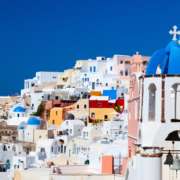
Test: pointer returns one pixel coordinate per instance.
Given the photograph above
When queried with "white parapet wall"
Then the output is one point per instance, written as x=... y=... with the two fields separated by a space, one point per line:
x=145 y=168
x=87 y=177
x=46 y=174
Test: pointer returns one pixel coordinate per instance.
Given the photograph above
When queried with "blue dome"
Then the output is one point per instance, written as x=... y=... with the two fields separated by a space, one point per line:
x=22 y=125
x=168 y=59
x=19 y=109
x=34 y=121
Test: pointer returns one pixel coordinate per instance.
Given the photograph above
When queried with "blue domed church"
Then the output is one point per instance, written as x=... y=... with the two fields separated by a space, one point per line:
x=17 y=114
x=27 y=129
x=159 y=116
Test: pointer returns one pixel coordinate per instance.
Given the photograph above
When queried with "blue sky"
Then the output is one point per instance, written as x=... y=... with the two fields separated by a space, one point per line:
x=50 y=35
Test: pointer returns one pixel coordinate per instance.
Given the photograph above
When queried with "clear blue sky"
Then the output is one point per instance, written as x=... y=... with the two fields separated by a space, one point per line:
x=50 y=35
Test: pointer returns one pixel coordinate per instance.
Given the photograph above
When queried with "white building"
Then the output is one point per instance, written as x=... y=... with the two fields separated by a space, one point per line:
x=103 y=73
x=72 y=128
x=114 y=128
x=92 y=132
x=118 y=149
x=33 y=88
x=7 y=153
x=40 y=79
x=48 y=149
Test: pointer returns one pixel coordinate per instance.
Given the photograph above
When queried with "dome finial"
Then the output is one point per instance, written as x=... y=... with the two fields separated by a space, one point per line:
x=174 y=32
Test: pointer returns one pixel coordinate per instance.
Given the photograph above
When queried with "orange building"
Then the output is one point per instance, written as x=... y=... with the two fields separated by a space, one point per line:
x=56 y=116
x=95 y=93
x=79 y=109
x=107 y=165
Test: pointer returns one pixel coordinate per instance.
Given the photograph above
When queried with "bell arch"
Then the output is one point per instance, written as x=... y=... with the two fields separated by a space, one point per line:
x=163 y=134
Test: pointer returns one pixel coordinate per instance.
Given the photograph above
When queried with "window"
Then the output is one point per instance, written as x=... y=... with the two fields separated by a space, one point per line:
x=121 y=73
x=85 y=106
x=53 y=121
x=92 y=115
x=94 y=69
x=85 y=79
x=32 y=106
x=90 y=69
x=126 y=73
x=56 y=98
x=42 y=150
x=127 y=62
x=4 y=148
x=144 y=63
x=97 y=81
x=58 y=148
x=152 y=102
x=77 y=106
x=105 y=117
x=111 y=68
x=56 y=113
x=84 y=134
x=106 y=84
x=64 y=149
x=93 y=85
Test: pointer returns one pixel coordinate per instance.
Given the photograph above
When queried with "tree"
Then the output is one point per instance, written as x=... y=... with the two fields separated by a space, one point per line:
x=39 y=111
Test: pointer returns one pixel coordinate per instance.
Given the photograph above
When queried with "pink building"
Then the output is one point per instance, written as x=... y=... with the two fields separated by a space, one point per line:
x=138 y=65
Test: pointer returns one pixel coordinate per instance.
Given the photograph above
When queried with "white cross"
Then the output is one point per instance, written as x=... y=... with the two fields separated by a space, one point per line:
x=174 y=33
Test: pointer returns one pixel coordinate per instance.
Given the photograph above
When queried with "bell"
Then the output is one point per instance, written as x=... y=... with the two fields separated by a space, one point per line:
x=169 y=159
x=176 y=164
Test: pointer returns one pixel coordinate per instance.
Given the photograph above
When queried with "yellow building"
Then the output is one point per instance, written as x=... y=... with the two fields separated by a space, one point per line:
x=80 y=109
x=101 y=109
x=56 y=116
x=102 y=114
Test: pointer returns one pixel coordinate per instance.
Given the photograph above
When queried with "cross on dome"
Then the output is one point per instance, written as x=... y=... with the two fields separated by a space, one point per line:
x=174 y=32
